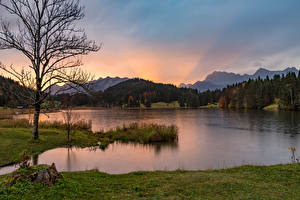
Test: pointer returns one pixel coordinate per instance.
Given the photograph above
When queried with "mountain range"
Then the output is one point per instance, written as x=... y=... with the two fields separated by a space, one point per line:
x=220 y=79
x=215 y=80
x=100 y=84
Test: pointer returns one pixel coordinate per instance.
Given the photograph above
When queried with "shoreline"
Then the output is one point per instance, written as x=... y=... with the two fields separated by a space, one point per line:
x=164 y=170
x=244 y=182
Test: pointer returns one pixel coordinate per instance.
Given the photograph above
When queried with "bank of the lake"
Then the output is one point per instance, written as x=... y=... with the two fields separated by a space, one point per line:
x=14 y=141
x=246 y=182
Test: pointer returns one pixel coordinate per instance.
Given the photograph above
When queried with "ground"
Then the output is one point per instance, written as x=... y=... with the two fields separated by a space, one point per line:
x=246 y=182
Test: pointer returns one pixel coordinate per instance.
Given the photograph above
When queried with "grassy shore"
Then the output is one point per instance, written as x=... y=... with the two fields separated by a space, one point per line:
x=273 y=107
x=15 y=137
x=173 y=104
x=210 y=106
x=246 y=182
x=14 y=141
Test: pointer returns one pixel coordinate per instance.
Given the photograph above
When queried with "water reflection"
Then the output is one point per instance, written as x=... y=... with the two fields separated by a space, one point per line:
x=76 y=159
x=117 y=158
x=207 y=139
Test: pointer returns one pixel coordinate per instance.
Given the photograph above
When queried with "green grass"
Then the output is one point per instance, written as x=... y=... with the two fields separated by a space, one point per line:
x=142 y=106
x=209 y=106
x=273 y=107
x=140 y=133
x=246 y=182
x=14 y=141
x=173 y=104
x=25 y=123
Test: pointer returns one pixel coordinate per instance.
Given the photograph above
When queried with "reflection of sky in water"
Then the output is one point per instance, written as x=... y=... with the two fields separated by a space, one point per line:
x=207 y=139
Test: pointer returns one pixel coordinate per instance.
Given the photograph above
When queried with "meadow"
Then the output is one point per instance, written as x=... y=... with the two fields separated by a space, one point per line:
x=246 y=182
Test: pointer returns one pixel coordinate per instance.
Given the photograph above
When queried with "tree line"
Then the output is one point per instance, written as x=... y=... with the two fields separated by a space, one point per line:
x=255 y=94
x=134 y=93
x=252 y=94
x=11 y=93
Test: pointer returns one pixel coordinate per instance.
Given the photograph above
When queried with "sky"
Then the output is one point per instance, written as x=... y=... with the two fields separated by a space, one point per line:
x=175 y=41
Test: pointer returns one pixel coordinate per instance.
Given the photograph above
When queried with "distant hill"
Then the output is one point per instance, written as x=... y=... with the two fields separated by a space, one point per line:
x=98 y=85
x=219 y=80
x=10 y=93
x=134 y=92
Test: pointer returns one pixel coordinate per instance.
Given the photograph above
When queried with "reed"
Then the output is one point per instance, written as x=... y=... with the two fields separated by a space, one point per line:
x=25 y=123
x=141 y=133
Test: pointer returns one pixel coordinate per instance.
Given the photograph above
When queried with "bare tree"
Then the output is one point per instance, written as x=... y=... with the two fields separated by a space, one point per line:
x=46 y=34
x=70 y=120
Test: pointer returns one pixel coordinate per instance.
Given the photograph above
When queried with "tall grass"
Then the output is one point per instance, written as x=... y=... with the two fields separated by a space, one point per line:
x=15 y=123
x=142 y=133
x=25 y=123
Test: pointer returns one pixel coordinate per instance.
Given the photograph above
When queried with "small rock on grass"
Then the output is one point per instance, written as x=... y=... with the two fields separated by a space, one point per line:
x=46 y=177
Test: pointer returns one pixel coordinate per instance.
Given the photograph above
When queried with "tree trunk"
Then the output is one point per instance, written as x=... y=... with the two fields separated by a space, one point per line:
x=37 y=110
x=68 y=134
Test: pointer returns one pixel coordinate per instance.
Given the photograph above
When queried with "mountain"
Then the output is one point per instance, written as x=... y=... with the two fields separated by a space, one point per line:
x=219 y=80
x=97 y=85
x=103 y=83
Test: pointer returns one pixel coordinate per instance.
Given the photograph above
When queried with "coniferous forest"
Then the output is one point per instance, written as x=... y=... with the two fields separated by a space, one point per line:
x=257 y=94
x=252 y=94
x=11 y=93
x=284 y=91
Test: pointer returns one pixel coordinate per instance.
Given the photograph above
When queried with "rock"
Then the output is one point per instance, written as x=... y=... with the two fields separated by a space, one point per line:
x=46 y=176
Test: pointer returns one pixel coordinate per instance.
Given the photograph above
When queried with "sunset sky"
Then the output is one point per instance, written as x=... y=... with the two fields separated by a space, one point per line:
x=174 y=41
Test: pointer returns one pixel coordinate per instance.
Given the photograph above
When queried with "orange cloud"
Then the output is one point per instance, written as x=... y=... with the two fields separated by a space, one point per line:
x=160 y=65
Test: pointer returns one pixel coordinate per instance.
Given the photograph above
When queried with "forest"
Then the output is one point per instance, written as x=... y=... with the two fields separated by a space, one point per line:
x=283 y=91
x=11 y=93
x=134 y=93
x=257 y=94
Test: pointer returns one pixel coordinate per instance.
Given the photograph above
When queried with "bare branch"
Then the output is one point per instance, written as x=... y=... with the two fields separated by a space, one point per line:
x=45 y=32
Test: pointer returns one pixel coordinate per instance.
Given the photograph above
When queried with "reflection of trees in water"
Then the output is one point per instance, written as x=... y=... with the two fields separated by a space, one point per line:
x=71 y=158
x=292 y=122
x=281 y=122
x=259 y=121
x=161 y=146
x=158 y=147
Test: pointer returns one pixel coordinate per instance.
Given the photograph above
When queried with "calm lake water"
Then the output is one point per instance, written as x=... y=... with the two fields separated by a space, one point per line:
x=208 y=139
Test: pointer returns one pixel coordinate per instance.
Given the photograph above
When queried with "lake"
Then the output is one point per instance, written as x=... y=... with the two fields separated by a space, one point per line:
x=208 y=139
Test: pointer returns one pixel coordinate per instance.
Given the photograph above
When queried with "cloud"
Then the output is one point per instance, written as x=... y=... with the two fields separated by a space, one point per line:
x=184 y=40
